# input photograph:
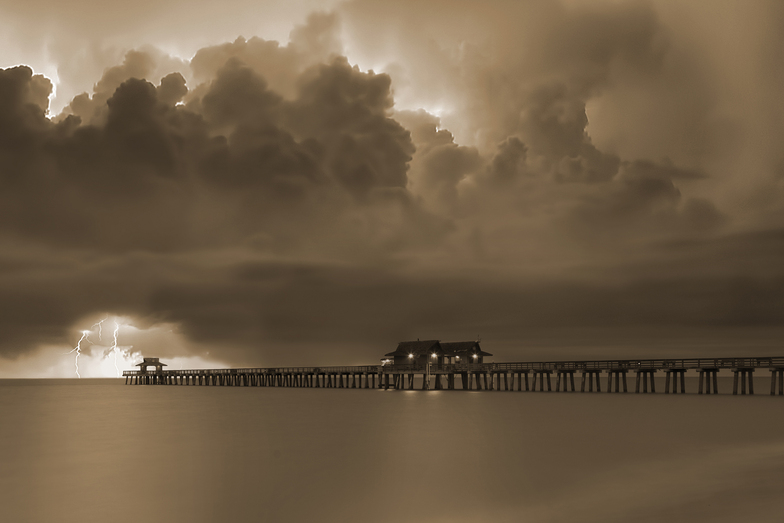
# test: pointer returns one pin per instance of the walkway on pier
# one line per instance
(487, 376)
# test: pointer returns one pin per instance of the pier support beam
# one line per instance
(562, 377)
(646, 375)
(620, 376)
(708, 376)
(777, 376)
(672, 376)
(541, 375)
(520, 376)
(592, 375)
(743, 373)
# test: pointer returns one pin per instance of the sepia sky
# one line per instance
(276, 183)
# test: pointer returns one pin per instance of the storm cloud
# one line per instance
(279, 203)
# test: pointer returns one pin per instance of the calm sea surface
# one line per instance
(99, 451)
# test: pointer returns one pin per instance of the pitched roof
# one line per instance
(463, 347)
(151, 362)
(416, 348)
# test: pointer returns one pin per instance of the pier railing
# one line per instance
(358, 369)
(657, 364)
(654, 364)
(482, 376)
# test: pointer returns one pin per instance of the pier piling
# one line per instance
(743, 374)
(646, 376)
(672, 375)
(777, 376)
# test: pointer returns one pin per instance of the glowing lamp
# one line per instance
(475, 356)
(410, 355)
(434, 355)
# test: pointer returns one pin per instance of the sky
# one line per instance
(308, 183)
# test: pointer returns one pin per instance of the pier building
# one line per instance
(435, 351)
(464, 351)
(156, 376)
(417, 352)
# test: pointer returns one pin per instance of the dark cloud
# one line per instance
(346, 110)
(440, 164)
(262, 311)
(268, 197)
(239, 160)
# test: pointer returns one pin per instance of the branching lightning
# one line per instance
(99, 324)
(114, 349)
(78, 351)
(114, 346)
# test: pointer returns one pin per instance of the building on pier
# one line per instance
(417, 353)
(464, 351)
(421, 353)
(151, 362)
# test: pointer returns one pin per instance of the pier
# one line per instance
(480, 376)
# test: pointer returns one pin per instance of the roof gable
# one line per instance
(151, 362)
(463, 347)
(417, 348)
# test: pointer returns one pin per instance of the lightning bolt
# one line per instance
(99, 324)
(113, 348)
(78, 351)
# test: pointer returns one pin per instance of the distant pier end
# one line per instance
(149, 378)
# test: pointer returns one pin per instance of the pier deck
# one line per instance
(483, 376)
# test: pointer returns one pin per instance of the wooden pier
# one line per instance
(479, 376)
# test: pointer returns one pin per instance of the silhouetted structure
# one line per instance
(151, 378)
(417, 352)
(473, 376)
(436, 352)
(151, 362)
(464, 351)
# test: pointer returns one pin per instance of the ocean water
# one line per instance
(100, 451)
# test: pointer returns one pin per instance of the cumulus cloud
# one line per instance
(263, 196)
